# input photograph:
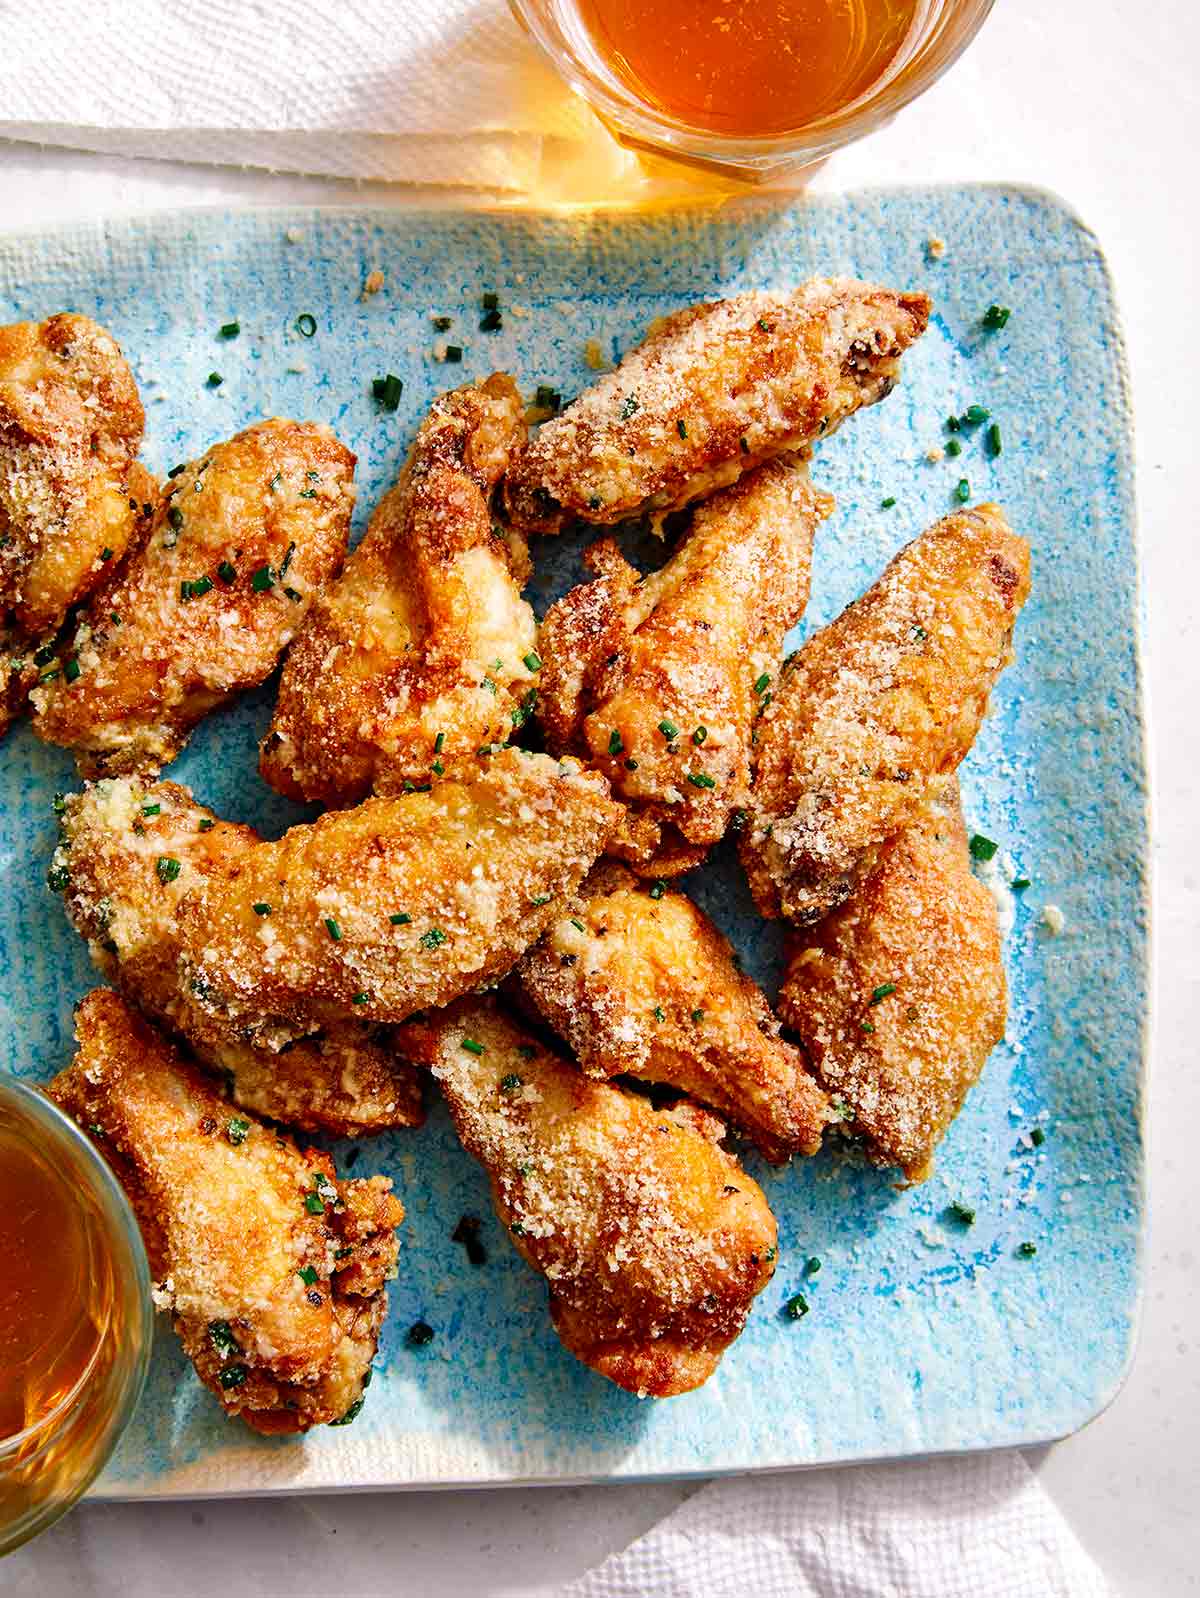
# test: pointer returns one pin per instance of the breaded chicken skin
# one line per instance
(345, 1079)
(418, 655)
(640, 983)
(899, 995)
(653, 1240)
(70, 425)
(889, 695)
(204, 606)
(272, 1269)
(711, 392)
(657, 680)
(366, 914)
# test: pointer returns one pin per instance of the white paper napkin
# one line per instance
(420, 91)
(948, 1528)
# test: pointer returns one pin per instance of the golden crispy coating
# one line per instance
(346, 1079)
(202, 609)
(887, 696)
(711, 392)
(639, 982)
(272, 1269)
(416, 656)
(652, 1238)
(898, 996)
(70, 425)
(653, 679)
(373, 913)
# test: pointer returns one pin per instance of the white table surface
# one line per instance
(1098, 101)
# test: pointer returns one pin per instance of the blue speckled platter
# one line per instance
(924, 1335)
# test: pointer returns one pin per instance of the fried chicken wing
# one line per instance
(656, 679)
(887, 696)
(70, 426)
(899, 996)
(639, 982)
(201, 610)
(711, 392)
(273, 1270)
(345, 1079)
(366, 914)
(653, 1240)
(418, 655)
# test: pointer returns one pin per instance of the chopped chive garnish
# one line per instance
(993, 439)
(771, 1252)
(1037, 1137)
(275, 481)
(796, 1307)
(491, 322)
(220, 1335)
(438, 743)
(115, 618)
(432, 939)
(700, 779)
(420, 1333)
(813, 1266)
(547, 398)
(151, 810)
(657, 889)
(175, 517)
(629, 405)
(953, 424)
(201, 586)
(58, 878)
(681, 427)
(526, 1050)
(306, 324)
(227, 572)
(334, 931)
(262, 908)
(982, 848)
(236, 1130)
(668, 729)
(697, 1016)
(540, 899)
(510, 1083)
(294, 595)
(442, 324)
(866, 1026)
(343, 1253)
(473, 1046)
(106, 554)
(974, 414)
(387, 390)
(232, 1376)
(996, 316)
(229, 329)
(314, 1204)
(886, 504)
(659, 1013)
(953, 447)
(454, 353)
(215, 380)
(616, 744)
(360, 998)
(71, 668)
(533, 661)
(400, 919)
(307, 1274)
(1019, 883)
(963, 492)
(700, 734)
(176, 470)
(167, 868)
(760, 685)
(1026, 1250)
(882, 991)
(745, 443)
(962, 1213)
(262, 579)
(438, 769)
(489, 301)
(205, 824)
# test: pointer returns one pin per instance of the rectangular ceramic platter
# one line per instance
(924, 1335)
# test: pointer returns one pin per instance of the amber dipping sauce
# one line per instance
(55, 1285)
(748, 68)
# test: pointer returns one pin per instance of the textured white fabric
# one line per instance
(423, 91)
(977, 1527)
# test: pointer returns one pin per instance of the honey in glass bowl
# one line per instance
(750, 89)
(75, 1312)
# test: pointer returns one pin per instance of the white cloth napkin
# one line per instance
(420, 91)
(944, 1528)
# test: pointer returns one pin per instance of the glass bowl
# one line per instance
(46, 1467)
(941, 31)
